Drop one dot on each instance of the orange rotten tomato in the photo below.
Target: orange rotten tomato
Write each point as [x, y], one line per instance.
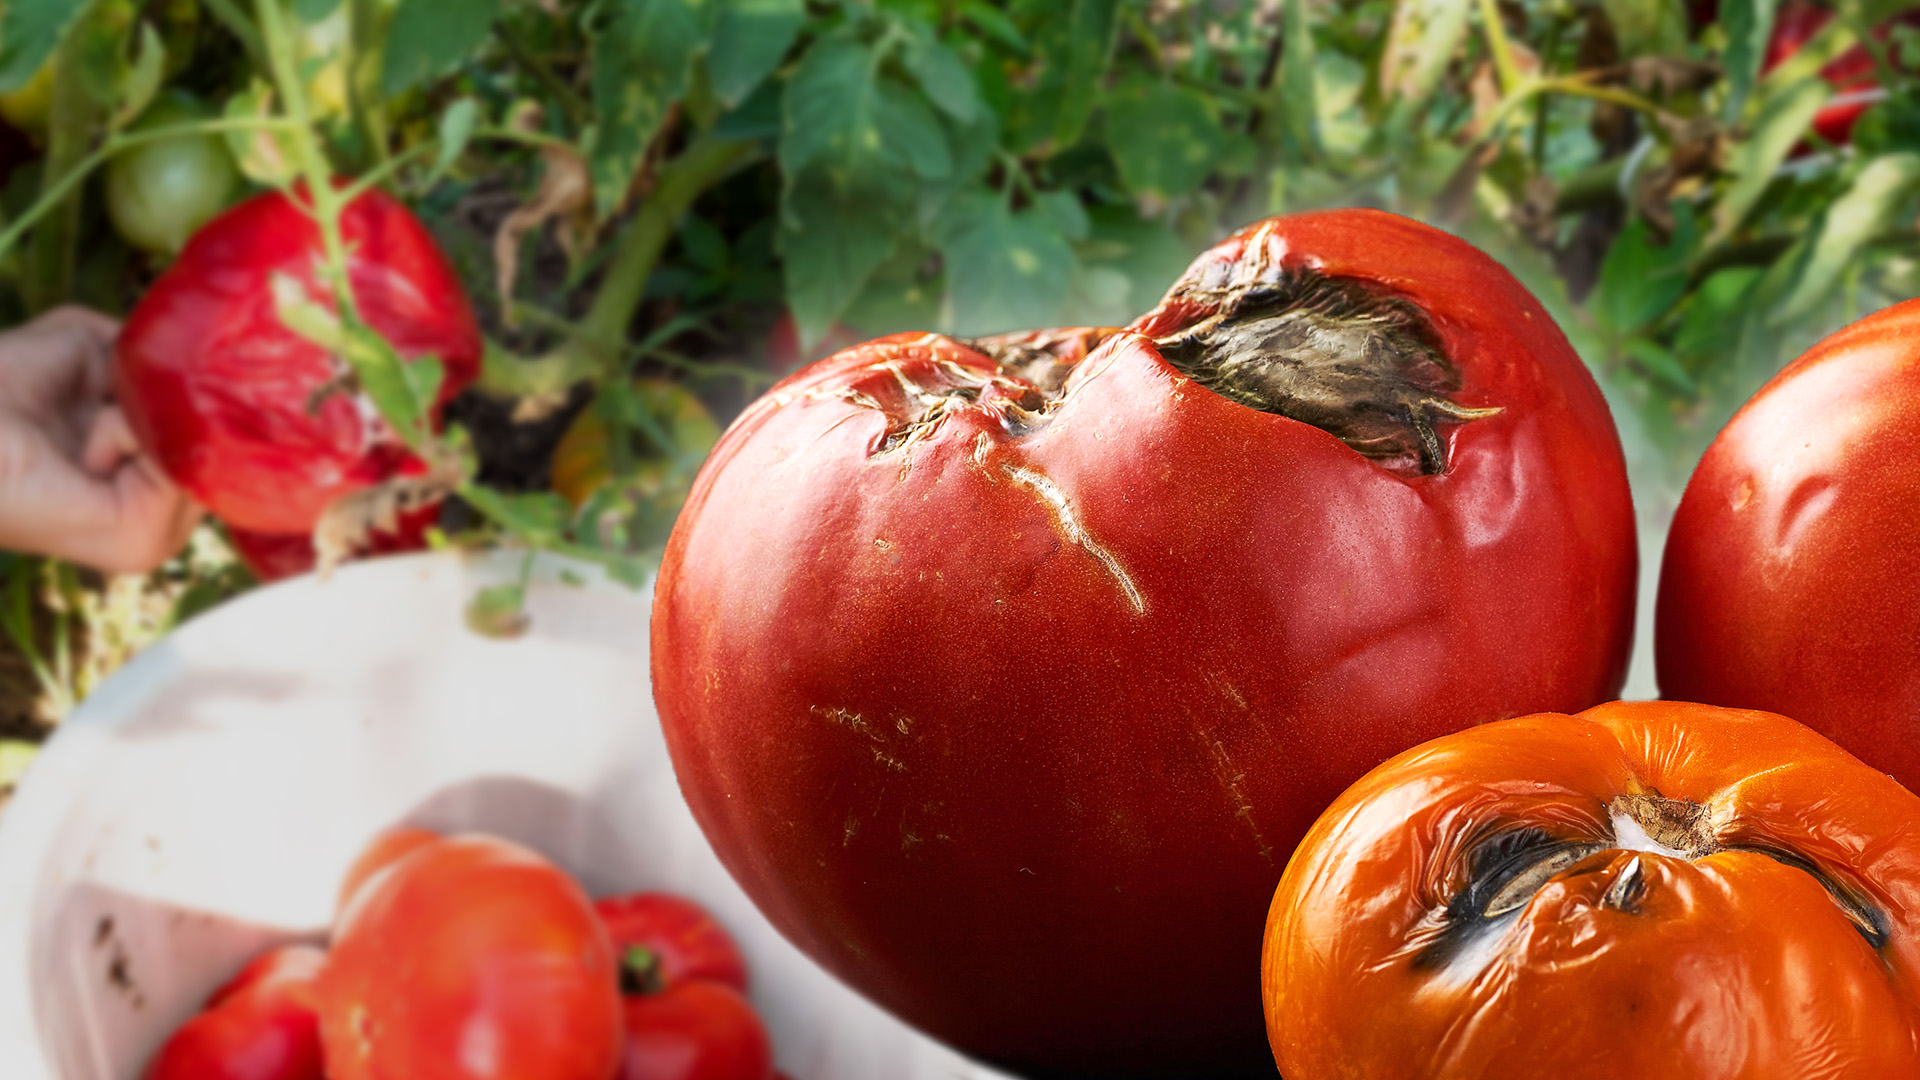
[1004, 680]
[1645, 889]
[467, 958]
[1792, 577]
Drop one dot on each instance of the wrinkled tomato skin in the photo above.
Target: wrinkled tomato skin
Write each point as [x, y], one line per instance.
[470, 959]
[1722, 963]
[695, 1030]
[1791, 580]
[223, 394]
[929, 728]
[683, 936]
[259, 1026]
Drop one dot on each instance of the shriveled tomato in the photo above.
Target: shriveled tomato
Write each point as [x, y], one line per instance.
[681, 940]
[257, 423]
[470, 958]
[695, 1030]
[261, 1025]
[160, 193]
[1792, 580]
[1646, 889]
[1005, 687]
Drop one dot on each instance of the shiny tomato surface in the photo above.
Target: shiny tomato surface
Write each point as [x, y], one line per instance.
[253, 420]
[470, 959]
[695, 1030]
[261, 1025]
[681, 939]
[1650, 889]
[1005, 685]
[1792, 573]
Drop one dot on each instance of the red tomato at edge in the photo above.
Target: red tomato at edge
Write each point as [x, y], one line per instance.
[681, 935]
[470, 958]
[229, 400]
[261, 1025]
[695, 1030]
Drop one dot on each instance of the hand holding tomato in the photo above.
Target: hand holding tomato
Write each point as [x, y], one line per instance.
[73, 481]
[1645, 889]
[260, 1026]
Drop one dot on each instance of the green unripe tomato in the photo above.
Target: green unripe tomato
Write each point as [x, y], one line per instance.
[160, 193]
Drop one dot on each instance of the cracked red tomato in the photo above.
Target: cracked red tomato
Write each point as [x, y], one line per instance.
[262, 1025]
[260, 425]
[1646, 889]
[467, 958]
[1791, 580]
[1005, 680]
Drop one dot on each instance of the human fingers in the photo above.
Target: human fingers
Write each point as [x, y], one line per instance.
[109, 442]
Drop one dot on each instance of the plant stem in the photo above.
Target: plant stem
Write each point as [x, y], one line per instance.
[53, 254]
[579, 112]
[327, 201]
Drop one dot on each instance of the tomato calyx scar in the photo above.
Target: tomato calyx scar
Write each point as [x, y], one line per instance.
[641, 974]
[1345, 355]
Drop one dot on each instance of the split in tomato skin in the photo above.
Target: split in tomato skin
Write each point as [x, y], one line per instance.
[1791, 580]
[470, 958]
[976, 685]
[682, 940]
[695, 1030]
[1645, 889]
[252, 420]
[261, 1025]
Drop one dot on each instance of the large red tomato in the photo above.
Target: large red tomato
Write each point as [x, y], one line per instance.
[1792, 574]
[1646, 889]
[1006, 688]
[469, 958]
[259, 1026]
[254, 420]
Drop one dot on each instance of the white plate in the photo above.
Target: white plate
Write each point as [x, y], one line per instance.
[203, 805]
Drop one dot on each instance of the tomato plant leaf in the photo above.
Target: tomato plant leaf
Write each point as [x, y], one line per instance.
[831, 240]
[1146, 250]
[1421, 41]
[940, 72]
[428, 37]
[1648, 27]
[537, 517]
[1078, 46]
[264, 157]
[1005, 270]
[456, 131]
[641, 61]
[499, 611]
[29, 32]
[140, 80]
[1748, 24]
[750, 38]
[1069, 214]
[993, 22]
[1653, 359]
[1807, 275]
[1641, 280]
[1783, 120]
[1299, 94]
[312, 11]
[1163, 138]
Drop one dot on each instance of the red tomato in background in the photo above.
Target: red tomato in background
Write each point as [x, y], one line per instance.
[385, 850]
[470, 958]
[695, 1030]
[1005, 693]
[1648, 889]
[1792, 573]
[273, 557]
[1852, 74]
[682, 938]
[230, 401]
[260, 1026]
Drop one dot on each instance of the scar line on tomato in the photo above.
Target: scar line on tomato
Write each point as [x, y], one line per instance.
[1071, 530]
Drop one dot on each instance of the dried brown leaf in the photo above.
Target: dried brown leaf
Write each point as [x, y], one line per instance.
[347, 527]
[565, 193]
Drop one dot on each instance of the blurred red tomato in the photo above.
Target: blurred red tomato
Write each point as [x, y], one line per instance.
[1853, 75]
[470, 958]
[260, 1026]
[259, 424]
[385, 850]
[695, 1030]
[681, 938]
[274, 556]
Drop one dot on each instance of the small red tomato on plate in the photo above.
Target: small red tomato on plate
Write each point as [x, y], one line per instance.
[695, 1030]
[259, 1026]
[681, 938]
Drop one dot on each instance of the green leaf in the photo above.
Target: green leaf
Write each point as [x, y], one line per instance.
[1748, 23]
[499, 611]
[1164, 138]
[1298, 93]
[1808, 273]
[141, 80]
[29, 32]
[1718, 303]
[758, 117]
[393, 385]
[1421, 41]
[1783, 120]
[1078, 44]
[312, 11]
[750, 38]
[456, 130]
[641, 61]
[831, 240]
[540, 518]
[1648, 27]
[1654, 359]
[994, 23]
[1893, 124]
[265, 157]
[1005, 271]
[1068, 213]
[1640, 280]
[940, 73]
[1148, 251]
[429, 37]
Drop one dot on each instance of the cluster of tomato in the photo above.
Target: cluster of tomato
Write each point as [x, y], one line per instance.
[472, 957]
